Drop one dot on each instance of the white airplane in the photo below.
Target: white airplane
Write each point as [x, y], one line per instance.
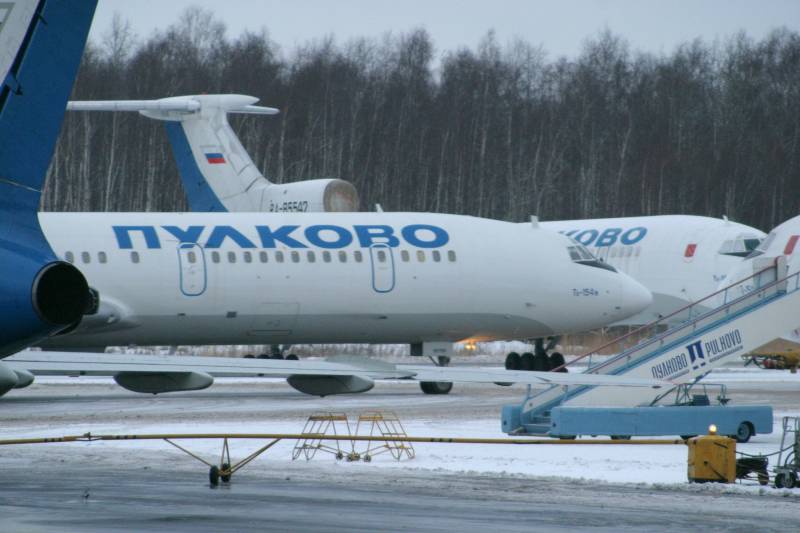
[679, 258]
[783, 240]
[40, 48]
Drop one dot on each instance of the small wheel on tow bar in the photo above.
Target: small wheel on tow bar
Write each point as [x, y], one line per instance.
[513, 361]
[226, 477]
[436, 387]
[213, 476]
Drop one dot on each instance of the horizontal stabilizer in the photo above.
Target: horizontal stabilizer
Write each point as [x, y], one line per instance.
[177, 107]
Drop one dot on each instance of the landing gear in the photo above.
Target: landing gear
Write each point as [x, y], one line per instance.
[539, 360]
[437, 387]
[513, 361]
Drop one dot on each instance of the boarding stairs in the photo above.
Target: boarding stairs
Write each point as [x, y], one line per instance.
[708, 333]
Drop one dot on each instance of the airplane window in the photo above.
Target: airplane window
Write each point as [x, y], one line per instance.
[326, 256]
[357, 256]
[342, 256]
[263, 256]
[764, 246]
[628, 251]
[135, 257]
[248, 257]
[637, 251]
[279, 257]
[741, 246]
[405, 256]
[381, 256]
[451, 256]
[311, 257]
[437, 256]
[86, 257]
[421, 256]
[581, 255]
[101, 256]
[295, 257]
[192, 257]
[70, 257]
[614, 251]
[231, 257]
[215, 257]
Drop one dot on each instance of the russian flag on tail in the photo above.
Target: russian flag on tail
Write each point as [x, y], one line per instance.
[215, 158]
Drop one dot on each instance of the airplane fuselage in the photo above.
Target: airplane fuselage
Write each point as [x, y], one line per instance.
[259, 278]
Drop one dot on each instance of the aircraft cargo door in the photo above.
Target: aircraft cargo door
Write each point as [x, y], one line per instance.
[192, 275]
[382, 261]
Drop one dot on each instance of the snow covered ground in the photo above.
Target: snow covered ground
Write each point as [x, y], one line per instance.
[61, 406]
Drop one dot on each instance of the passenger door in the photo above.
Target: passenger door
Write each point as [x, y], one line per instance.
[193, 278]
[382, 261]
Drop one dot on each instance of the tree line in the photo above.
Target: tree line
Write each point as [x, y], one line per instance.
[500, 131]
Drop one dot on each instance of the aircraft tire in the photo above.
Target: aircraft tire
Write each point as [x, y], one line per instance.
[513, 361]
[541, 363]
[292, 357]
[526, 361]
[436, 387]
[249, 356]
[226, 478]
[213, 476]
[557, 360]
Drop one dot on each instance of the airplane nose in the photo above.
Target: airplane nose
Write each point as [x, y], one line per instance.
[635, 297]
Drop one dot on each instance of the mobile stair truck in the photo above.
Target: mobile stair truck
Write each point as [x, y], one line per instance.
[710, 332]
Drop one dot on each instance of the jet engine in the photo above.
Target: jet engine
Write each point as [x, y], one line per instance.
[320, 195]
[37, 297]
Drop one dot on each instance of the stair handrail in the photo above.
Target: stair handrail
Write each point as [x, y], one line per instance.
[677, 312]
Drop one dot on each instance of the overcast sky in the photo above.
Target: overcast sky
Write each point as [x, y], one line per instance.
[560, 26]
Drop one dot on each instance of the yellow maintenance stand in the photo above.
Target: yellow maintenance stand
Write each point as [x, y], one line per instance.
[712, 458]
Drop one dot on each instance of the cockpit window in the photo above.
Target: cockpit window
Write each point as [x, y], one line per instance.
[581, 255]
[742, 246]
[764, 246]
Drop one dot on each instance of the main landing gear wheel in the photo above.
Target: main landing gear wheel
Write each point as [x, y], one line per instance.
[526, 361]
[541, 363]
[436, 387]
[556, 361]
[292, 357]
[513, 361]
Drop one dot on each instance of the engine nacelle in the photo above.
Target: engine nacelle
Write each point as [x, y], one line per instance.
[329, 385]
[37, 301]
[8, 379]
[158, 382]
[321, 195]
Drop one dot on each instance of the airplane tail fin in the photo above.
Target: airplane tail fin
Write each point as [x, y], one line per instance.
[41, 44]
[217, 172]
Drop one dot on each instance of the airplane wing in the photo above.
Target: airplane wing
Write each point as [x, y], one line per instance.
[169, 373]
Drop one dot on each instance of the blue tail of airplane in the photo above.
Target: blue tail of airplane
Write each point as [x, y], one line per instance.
[41, 44]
